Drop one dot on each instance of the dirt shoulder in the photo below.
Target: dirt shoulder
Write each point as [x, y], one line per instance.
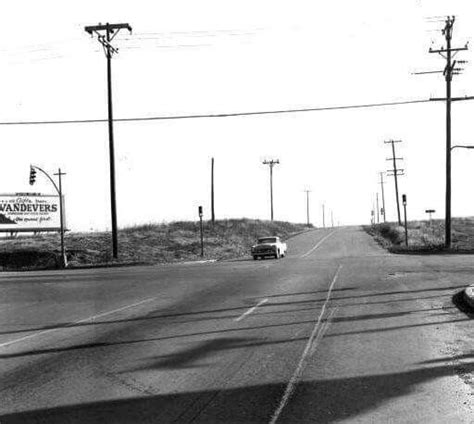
[144, 244]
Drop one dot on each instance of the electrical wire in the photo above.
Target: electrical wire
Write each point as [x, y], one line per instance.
[220, 115]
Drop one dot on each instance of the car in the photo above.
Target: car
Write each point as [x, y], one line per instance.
[269, 246]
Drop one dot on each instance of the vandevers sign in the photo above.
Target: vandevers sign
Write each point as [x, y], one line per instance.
[29, 212]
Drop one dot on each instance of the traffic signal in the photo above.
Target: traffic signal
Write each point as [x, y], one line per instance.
[200, 211]
[32, 175]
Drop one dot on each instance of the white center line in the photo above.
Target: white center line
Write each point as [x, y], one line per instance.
[308, 350]
[317, 245]
[251, 310]
[39, 333]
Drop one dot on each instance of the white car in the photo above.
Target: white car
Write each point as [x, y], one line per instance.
[269, 246]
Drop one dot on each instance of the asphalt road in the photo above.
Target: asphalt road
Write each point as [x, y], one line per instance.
[338, 331]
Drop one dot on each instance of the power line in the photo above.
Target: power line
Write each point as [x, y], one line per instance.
[219, 115]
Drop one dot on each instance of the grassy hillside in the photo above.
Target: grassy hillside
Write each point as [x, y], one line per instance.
[424, 236]
[151, 243]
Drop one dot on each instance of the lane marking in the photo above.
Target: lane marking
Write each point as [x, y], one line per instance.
[317, 245]
[251, 310]
[93, 317]
[308, 350]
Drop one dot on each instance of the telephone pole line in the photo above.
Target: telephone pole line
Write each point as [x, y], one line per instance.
[450, 69]
[105, 34]
[324, 219]
[307, 206]
[271, 164]
[395, 172]
[383, 196]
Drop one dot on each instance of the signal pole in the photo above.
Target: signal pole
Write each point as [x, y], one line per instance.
[105, 34]
[378, 210]
[271, 164]
[450, 69]
[395, 173]
[59, 190]
[307, 206]
[61, 217]
[383, 196]
[213, 217]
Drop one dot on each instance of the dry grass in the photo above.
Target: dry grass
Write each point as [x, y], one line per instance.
[424, 236]
[150, 243]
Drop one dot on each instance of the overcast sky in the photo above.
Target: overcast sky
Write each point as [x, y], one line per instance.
[198, 57]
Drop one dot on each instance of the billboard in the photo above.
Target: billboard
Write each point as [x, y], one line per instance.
[29, 212]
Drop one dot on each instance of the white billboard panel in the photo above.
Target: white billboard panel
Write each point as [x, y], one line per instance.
[29, 212]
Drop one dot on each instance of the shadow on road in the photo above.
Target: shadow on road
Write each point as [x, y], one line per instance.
[218, 345]
[337, 399]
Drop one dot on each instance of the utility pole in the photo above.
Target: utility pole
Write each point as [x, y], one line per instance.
[105, 34]
[324, 220]
[213, 217]
[395, 173]
[450, 69]
[307, 206]
[332, 220]
[383, 197]
[271, 164]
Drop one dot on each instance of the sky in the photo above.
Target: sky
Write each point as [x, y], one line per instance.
[209, 57]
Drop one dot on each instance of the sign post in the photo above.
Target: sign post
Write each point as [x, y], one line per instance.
[202, 238]
[429, 212]
[404, 199]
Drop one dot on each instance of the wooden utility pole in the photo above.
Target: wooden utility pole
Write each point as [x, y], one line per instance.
[324, 217]
[271, 164]
[307, 206]
[213, 217]
[395, 172]
[449, 70]
[105, 34]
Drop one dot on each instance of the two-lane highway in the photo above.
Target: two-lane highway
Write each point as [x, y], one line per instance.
[337, 331]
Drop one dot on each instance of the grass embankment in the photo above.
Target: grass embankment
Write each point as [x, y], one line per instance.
[151, 243]
[425, 237]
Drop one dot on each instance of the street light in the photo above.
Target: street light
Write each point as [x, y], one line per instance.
[59, 190]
